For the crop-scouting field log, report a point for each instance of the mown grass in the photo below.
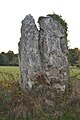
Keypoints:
(9, 73)
(13, 101)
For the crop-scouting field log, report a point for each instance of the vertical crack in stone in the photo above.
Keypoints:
(42, 54)
(43, 60)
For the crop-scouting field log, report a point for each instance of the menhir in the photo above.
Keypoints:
(43, 56)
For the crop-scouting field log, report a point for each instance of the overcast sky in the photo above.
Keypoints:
(13, 11)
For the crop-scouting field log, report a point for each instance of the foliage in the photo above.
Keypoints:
(8, 59)
(74, 57)
(78, 62)
(75, 72)
(13, 100)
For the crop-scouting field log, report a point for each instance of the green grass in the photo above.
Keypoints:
(75, 71)
(9, 73)
(9, 77)
(11, 69)
(13, 100)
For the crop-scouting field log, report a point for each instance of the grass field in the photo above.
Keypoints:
(14, 70)
(75, 71)
(12, 99)
(9, 73)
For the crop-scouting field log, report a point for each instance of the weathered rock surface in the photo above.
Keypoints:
(43, 60)
(28, 53)
(53, 50)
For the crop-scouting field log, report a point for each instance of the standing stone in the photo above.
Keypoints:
(29, 60)
(43, 60)
(53, 50)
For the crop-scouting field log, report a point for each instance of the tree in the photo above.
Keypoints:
(10, 55)
(78, 63)
(4, 59)
(73, 56)
(9, 59)
(14, 61)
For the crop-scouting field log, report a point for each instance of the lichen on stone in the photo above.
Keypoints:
(43, 59)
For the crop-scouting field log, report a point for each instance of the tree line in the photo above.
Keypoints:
(11, 59)
(8, 59)
(74, 57)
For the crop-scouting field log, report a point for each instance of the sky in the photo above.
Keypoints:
(12, 12)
